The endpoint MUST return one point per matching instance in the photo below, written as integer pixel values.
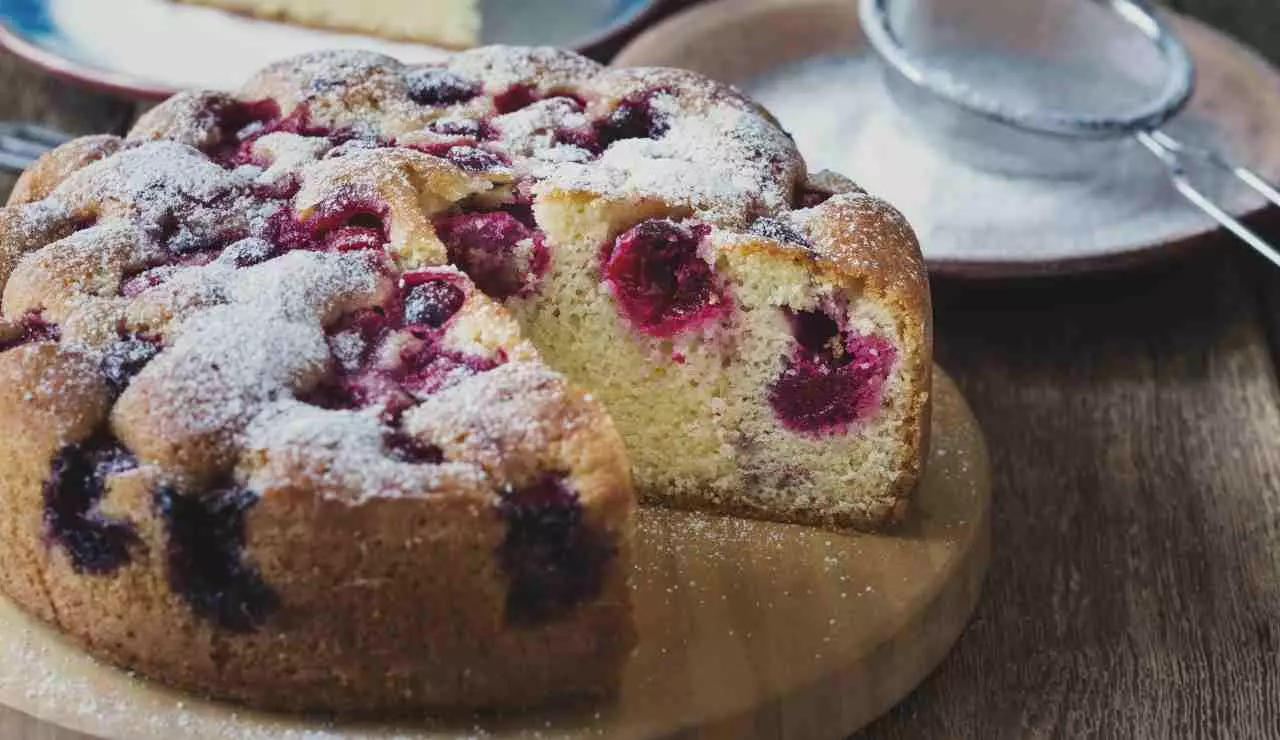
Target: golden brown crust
(54, 166)
(414, 616)
(870, 241)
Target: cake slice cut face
(448, 23)
(330, 394)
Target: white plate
(153, 48)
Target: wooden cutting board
(747, 629)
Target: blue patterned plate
(152, 48)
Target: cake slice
(780, 372)
(449, 23)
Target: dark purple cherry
(552, 558)
(205, 554)
(436, 86)
(96, 544)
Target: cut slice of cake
(453, 24)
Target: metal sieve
(1051, 88)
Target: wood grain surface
(1134, 426)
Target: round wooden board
(747, 629)
(973, 223)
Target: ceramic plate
(153, 48)
(808, 62)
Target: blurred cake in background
(450, 23)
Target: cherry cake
(289, 378)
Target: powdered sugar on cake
(243, 274)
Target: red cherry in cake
(391, 356)
(634, 118)
(430, 301)
(242, 124)
(248, 252)
(661, 284)
(552, 558)
(280, 189)
(426, 369)
(344, 225)
(460, 127)
(435, 86)
(406, 449)
(779, 231)
(501, 255)
(126, 358)
(159, 275)
(810, 197)
(349, 221)
(239, 125)
(95, 543)
(514, 98)
(466, 156)
(144, 281)
(205, 554)
(354, 239)
(31, 329)
(474, 159)
(834, 379)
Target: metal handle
(21, 144)
(1173, 153)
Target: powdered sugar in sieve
(965, 214)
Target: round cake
(330, 394)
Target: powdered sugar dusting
(725, 163)
(344, 454)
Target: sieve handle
(1173, 153)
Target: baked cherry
(156, 276)
(205, 554)
(248, 252)
(474, 159)
(634, 118)
(431, 302)
(514, 98)
(500, 254)
(466, 156)
(240, 123)
(426, 369)
(834, 378)
(460, 127)
(391, 356)
(553, 559)
(95, 543)
(661, 283)
(30, 329)
(436, 86)
(343, 225)
(124, 359)
(810, 197)
(779, 231)
(353, 239)
(405, 448)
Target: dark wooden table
(1134, 425)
